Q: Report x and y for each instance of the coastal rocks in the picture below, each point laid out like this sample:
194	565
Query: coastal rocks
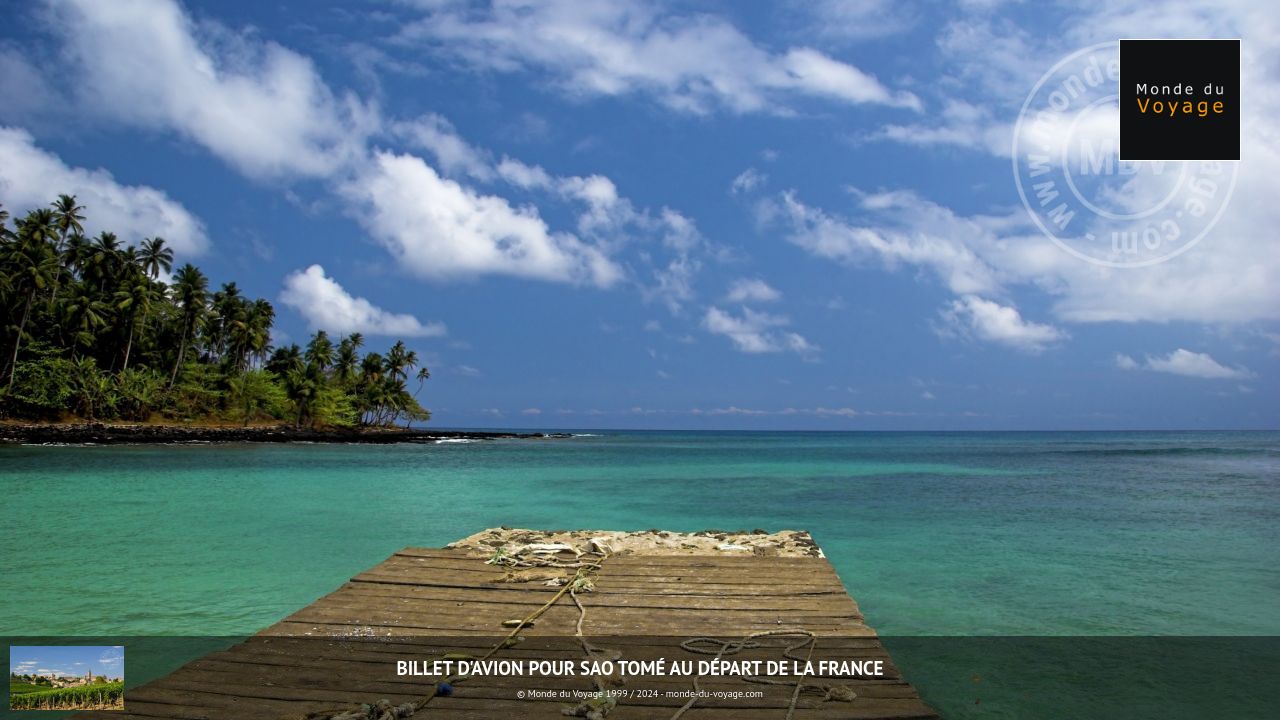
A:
103	434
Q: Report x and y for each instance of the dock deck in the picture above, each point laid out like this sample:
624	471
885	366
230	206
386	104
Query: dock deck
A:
422	603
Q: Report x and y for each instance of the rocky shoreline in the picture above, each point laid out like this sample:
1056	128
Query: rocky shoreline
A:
116	434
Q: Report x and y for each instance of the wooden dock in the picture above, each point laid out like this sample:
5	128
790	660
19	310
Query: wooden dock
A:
422	603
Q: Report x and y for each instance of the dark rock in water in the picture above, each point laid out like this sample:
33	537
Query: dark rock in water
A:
101	434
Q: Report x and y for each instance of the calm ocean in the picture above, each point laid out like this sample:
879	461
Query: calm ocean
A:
935	534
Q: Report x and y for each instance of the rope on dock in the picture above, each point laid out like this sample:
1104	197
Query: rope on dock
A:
537	555
830	691
599	707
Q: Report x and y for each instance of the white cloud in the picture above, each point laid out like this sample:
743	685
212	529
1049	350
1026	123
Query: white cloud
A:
326	305
692	63
755	332
609	222
924	235
853	20
467	371
814	73
987	320
531	411
751	290
1187	363
439	228
454	155
747	180
796	343
31	177
1226	278
845	412
259	106
959	123
731	410
266	110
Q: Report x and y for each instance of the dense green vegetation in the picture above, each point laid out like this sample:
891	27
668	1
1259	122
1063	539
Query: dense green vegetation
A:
98	695
89	330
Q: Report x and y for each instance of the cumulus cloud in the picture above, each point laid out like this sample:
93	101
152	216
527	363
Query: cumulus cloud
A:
1186	363
327	306
265	110
258	106
751	290
611	222
756	332
439	228
693	63
31	177
988	320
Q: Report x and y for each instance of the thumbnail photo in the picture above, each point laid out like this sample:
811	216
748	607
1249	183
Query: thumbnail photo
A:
66	677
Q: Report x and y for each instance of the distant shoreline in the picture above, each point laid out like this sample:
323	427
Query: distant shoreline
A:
124	434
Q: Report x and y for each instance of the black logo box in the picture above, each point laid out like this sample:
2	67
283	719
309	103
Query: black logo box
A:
1187	68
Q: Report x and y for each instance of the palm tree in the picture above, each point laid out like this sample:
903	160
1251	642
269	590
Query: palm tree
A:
77	253
346	360
32	266
154	257
258	330
320	351
400	360
301	386
84	314
228	305
67	217
132	300
191	290
285	360
369	386
423	375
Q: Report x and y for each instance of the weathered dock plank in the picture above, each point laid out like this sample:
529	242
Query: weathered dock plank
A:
422	603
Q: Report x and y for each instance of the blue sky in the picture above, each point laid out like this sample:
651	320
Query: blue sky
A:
688	215
67	660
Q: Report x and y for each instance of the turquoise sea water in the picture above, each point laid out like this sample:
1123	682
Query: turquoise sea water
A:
935	534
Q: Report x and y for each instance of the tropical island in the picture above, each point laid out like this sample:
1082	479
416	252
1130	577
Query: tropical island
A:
101	343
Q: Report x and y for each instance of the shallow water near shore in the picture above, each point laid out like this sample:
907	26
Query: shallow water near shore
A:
934	534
